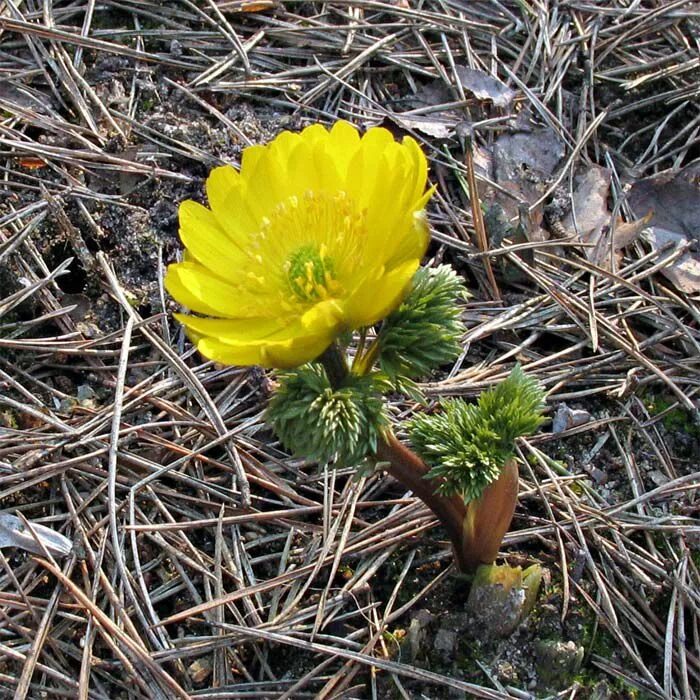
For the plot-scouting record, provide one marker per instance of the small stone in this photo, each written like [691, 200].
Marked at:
[506, 672]
[200, 670]
[659, 478]
[87, 397]
[502, 596]
[558, 661]
[566, 418]
[445, 644]
[85, 392]
[601, 691]
[417, 633]
[67, 405]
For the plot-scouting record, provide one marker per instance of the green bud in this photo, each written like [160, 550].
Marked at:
[467, 445]
[316, 422]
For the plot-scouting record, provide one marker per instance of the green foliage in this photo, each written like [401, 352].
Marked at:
[467, 445]
[425, 331]
[673, 416]
[316, 422]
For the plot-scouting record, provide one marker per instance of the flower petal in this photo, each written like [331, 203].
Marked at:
[412, 243]
[226, 192]
[342, 146]
[376, 298]
[193, 286]
[251, 329]
[419, 167]
[206, 241]
[325, 314]
[282, 354]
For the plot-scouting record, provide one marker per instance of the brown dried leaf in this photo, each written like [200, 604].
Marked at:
[627, 232]
[672, 198]
[683, 272]
[589, 218]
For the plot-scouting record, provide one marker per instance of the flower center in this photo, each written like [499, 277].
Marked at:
[308, 247]
[310, 272]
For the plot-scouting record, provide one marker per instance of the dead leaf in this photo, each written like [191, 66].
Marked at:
[443, 123]
[14, 532]
[485, 87]
[435, 128]
[527, 155]
[589, 204]
[589, 218]
[672, 198]
[521, 164]
[627, 232]
[683, 272]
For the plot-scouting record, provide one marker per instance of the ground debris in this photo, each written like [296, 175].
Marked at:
[115, 112]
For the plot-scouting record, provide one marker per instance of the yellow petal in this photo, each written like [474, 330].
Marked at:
[295, 352]
[342, 146]
[282, 354]
[196, 288]
[413, 243]
[375, 299]
[250, 157]
[226, 192]
[419, 167]
[207, 242]
[366, 165]
[283, 145]
[242, 354]
[314, 133]
[267, 182]
[232, 330]
[326, 314]
[303, 164]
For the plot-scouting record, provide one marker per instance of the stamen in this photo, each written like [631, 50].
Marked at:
[310, 272]
[302, 233]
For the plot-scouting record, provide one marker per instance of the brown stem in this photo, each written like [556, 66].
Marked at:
[475, 530]
[408, 469]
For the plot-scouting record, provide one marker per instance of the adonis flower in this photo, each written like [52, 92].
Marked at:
[319, 233]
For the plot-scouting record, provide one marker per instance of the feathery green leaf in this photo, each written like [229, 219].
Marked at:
[425, 331]
[314, 421]
[467, 445]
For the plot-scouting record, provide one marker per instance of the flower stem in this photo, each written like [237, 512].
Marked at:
[488, 518]
[335, 363]
[410, 470]
[476, 530]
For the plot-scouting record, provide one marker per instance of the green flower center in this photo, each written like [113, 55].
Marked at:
[310, 272]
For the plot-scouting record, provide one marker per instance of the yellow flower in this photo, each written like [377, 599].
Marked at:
[319, 233]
